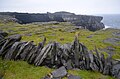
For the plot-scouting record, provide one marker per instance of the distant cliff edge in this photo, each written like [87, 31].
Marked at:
[92, 23]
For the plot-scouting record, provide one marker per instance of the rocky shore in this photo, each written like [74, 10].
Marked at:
[92, 23]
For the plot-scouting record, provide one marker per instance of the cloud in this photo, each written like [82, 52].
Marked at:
[76, 6]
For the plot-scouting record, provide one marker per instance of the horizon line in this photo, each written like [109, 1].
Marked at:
[60, 11]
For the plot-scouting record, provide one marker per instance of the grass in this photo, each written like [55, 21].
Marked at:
[23, 70]
[62, 33]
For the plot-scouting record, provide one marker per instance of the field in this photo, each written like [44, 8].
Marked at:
[60, 32]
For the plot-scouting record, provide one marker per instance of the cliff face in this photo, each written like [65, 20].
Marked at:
[92, 23]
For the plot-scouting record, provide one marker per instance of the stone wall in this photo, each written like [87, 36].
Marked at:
[55, 55]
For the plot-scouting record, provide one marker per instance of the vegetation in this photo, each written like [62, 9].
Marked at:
[23, 70]
[60, 32]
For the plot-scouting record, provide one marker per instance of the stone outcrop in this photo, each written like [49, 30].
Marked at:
[92, 23]
[55, 55]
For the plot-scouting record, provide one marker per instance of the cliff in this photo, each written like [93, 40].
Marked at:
[92, 23]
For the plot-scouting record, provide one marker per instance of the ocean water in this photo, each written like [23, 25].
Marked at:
[111, 20]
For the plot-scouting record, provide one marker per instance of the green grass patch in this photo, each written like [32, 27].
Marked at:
[23, 70]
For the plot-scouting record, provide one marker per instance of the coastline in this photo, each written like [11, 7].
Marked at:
[106, 27]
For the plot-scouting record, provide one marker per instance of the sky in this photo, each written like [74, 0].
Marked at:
[74, 6]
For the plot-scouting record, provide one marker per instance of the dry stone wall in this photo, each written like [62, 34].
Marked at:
[55, 55]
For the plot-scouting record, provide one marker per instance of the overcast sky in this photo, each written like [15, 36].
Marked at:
[75, 6]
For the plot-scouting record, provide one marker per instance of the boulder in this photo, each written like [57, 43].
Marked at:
[61, 72]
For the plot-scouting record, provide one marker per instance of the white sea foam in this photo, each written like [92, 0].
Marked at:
[106, 27]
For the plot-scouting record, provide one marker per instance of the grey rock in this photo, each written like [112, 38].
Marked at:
[6, 46]
[113, 41]
[91, 56]
[108, 65]
[31, 56]
[7, 43]
[99, 64]
[13, 50]
[43, 54]
[61, 72]
[94, 67]
[118, 76]
[90, 36]
[102, 59]
[74, 77]
[98, 60]
[35, 52]
[82, 64]
[97, 53]
[2, 33]
[107, 68]
[1, 37]
[2, 42]
[26, 50]
[115, 71]
[116, 34]
[69, 65]
[15, 37]
[75, 50]
[110, 48]
[23, 46]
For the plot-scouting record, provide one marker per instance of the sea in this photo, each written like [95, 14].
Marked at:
[111, 20]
